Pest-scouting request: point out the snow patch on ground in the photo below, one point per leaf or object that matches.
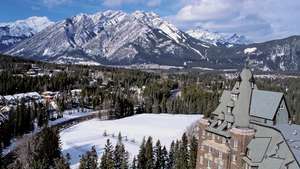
(250, 50)
(80, 138)
(147, 66)
(203, 68)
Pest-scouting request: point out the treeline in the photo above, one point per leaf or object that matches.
(169, 97)
(12, 84)
(21, 120)
(181, 155)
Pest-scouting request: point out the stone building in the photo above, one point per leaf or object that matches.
(249, 129)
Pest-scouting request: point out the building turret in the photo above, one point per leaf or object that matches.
(241, 110)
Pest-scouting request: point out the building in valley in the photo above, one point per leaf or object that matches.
(250, 129)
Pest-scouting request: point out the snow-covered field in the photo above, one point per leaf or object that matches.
(78, 139)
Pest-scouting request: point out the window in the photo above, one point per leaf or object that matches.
(219, 122)
(223, 140)
(202, 147)
(235, 143)
(234, 97)
(208, 164)
(213, 136)
(201, 160)
(229, 109)
(233, 158)
(209, 149)
(220, 154)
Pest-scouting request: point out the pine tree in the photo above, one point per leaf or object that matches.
(89, 160)
(49, 145)
(134, 165)
(164, 157)
(83, 162)
(107, 161)
(184, 151)
(149, 154)
(125, 161)
(1, 156)
(177, 156)
(182, 154)
(61, 163)
(120, 155)
(142, 156)
(158, 156)
(39, 152)
(193, 147)
(171, 157)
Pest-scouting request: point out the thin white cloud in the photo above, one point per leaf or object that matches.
(119, 3)
(258, 19)
(52, 3)
(153, 3)
(116, 3)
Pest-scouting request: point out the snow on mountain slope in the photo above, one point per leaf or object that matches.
(113, 37)
(28, 26)
(13, 32)
(216, 38)
(78, 139)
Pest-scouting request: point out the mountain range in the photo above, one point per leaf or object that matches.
(217, 39)
(119, 38)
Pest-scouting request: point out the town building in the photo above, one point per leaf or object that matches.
(250, 129)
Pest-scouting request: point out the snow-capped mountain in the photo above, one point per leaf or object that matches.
(141, 38)
(113, 37)
(13, 32)
(216, 38)
(275, 55)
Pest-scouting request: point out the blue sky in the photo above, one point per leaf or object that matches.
(259, 20)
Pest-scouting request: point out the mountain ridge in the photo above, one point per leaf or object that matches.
(216, 38)
(12, 33)
(119, 38)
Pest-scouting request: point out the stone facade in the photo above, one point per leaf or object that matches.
(218, 152)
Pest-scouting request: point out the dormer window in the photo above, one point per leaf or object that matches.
(281, 107)
(229, 110)
(234, 96)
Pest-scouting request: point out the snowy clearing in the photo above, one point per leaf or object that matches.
(78, 139)
(250, 50)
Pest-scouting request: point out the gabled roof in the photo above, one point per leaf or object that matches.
(264, 104)
(224, 100)
(258, 148)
